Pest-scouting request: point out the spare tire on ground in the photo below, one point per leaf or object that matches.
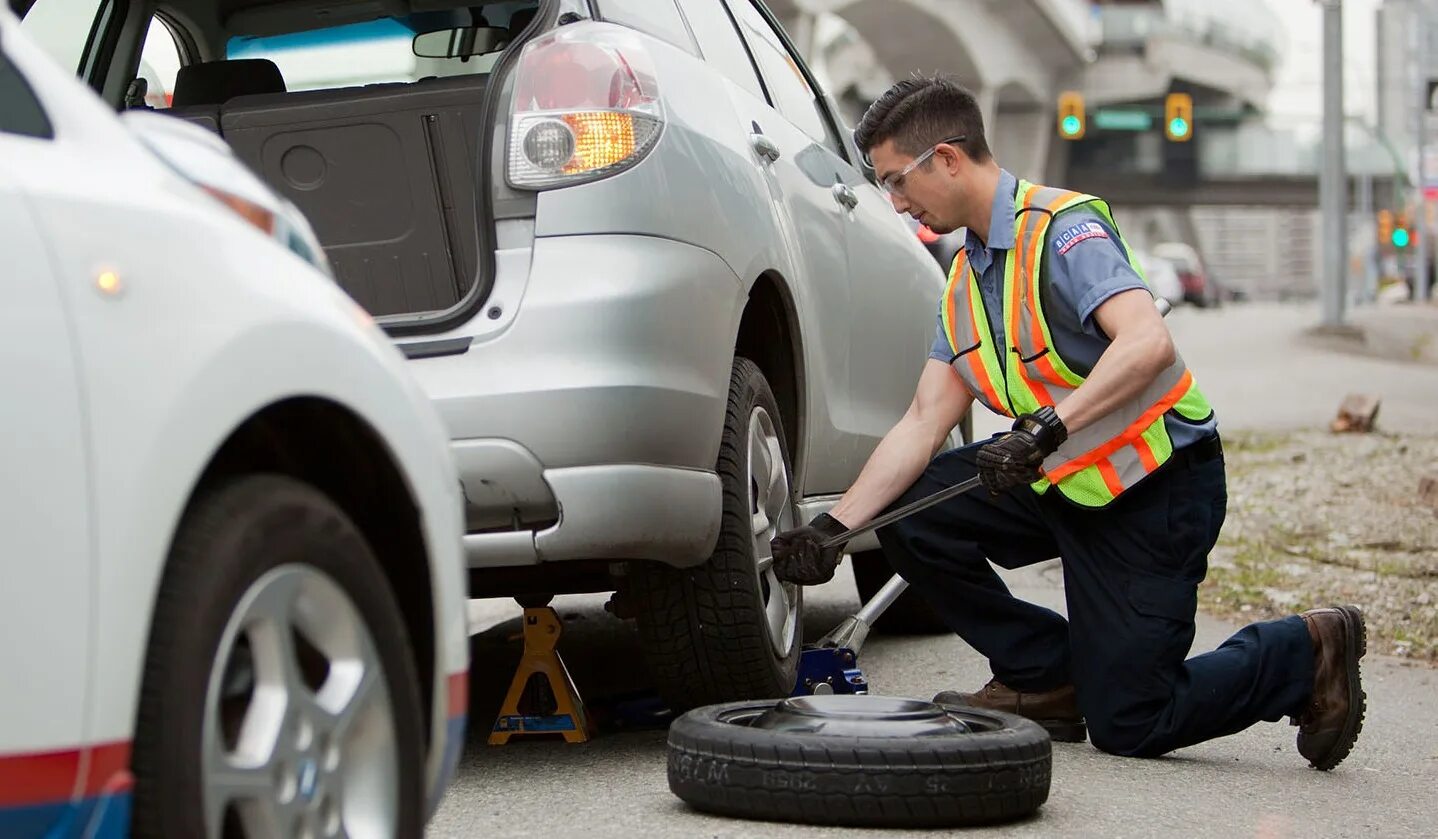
(864, 761)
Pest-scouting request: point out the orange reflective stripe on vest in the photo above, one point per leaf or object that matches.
(966, 340)
(1100, 461)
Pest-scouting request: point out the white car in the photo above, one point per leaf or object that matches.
(1162, 277)
(232, 598)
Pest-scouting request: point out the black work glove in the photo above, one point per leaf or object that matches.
(798, 557)
(1014, 458)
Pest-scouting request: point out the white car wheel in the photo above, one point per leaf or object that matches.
(280, 692)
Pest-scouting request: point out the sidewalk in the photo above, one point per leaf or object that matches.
(1400, 332)
(1263, 370)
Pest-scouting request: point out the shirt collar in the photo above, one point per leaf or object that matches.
(1001, 217)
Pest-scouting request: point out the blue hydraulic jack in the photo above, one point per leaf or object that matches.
(832, 664)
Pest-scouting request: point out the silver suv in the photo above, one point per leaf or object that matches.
(631, 254)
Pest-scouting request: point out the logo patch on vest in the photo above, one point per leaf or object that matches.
(1065, 241)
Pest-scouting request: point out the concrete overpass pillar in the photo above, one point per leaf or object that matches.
(1021, 142)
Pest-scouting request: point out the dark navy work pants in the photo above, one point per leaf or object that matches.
(1131, 573)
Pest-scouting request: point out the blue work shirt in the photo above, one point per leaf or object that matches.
(1085, 266)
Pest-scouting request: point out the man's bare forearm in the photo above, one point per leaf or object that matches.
(896, 463)
(1141, 349)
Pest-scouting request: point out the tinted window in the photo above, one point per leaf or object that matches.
(372, 52)
(787, 86)
(719, 41)
(20, 111)
(657, 17)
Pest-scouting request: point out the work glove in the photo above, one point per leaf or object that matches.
(1015, 458)
(798, 557)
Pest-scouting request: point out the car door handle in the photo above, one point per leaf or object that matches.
(845, 196)
(764, 147)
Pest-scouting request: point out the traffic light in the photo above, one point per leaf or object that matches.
(1178, 117)
(1385, 226)
(1400, 236)
(1071, 115)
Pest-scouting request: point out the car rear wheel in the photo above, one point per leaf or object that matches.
(279, 694)
(728, 629)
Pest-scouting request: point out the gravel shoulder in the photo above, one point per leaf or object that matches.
(1316, 519)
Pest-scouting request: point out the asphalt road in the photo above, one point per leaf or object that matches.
(1260, 375)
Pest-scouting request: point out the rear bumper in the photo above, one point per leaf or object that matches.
(616, 512)
(587, 427)
(619, 351)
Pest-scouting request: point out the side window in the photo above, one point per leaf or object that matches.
(159, 64)
(787, 86)
(720, 43)
(63, 28)
(20, 111)
(659, 18)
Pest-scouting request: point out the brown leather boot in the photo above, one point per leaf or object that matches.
(1329, 726)
(1056, 710)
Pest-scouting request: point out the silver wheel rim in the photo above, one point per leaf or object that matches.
(770, 511)
(299, 737)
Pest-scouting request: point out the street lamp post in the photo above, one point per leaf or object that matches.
(1332, 185)
(1419, 34)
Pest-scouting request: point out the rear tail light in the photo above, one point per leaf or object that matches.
(586, 106)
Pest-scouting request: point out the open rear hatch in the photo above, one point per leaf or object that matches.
(381, 130)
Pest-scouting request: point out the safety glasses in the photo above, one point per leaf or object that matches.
(894, 184)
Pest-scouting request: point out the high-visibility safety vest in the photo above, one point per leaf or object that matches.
(1097, 463)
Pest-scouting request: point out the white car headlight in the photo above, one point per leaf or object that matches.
(204, 159)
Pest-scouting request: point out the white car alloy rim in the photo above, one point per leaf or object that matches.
(299, 737)
(771, 512)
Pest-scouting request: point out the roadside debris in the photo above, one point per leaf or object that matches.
(1356, 414)
(1317, 518)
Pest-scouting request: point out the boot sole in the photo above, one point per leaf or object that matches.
(1356, 637)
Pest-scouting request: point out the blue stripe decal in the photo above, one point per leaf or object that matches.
(101, 817)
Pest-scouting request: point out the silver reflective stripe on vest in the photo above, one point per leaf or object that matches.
(1027, 341)
(1118, 421)
(1128, 465)
(1030, 343)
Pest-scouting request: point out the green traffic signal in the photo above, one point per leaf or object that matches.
(1178, 127)
(1071, 125)
(1400, 237)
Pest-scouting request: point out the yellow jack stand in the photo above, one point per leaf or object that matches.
(542, 685)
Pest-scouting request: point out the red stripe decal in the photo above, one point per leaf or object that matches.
(38, 777)
(109, 770)
(50, 777)
(458, 694)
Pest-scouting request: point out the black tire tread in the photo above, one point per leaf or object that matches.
(703, 629)
(162, 771)
(969, 779)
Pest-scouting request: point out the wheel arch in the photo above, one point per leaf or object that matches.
(329, 447)
(769, 336)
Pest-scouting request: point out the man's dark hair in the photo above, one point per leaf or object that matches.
(920, 112)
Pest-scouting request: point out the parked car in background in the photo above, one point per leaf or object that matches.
(233, 598)
(1198, 288)
(632, 257)
(943, 247)
(1162, 277)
